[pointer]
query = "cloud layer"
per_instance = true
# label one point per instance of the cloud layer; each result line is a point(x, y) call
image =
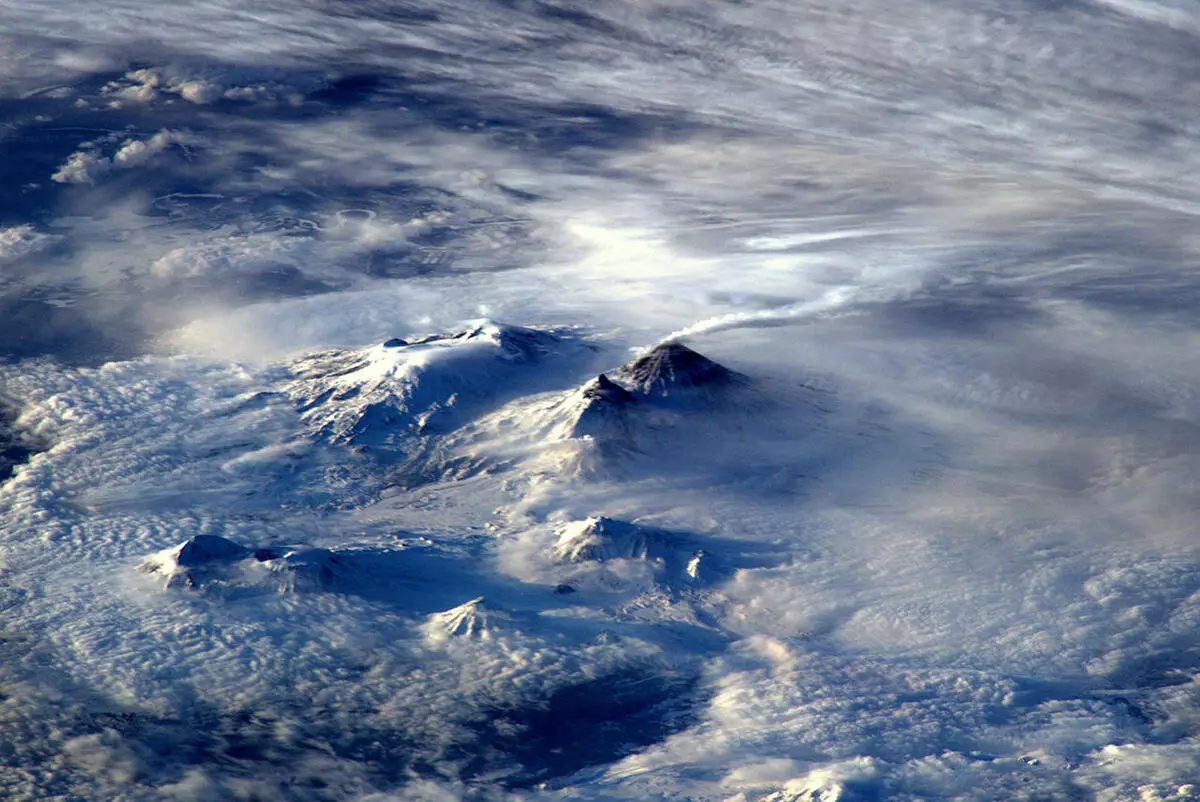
point(939, 542)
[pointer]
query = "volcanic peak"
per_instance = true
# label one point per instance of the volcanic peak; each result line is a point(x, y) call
point(671, 367)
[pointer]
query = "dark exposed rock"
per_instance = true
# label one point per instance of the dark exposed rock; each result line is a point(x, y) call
point(670, 368)
point(604, 389)
point(206, 549)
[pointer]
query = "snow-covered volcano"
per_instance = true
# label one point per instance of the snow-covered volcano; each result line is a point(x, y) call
point(215, 564)
point(672, 370)
point(379, 396)
point(472, 619)
point(666, 407)
point(601, 539)
point(604, 539)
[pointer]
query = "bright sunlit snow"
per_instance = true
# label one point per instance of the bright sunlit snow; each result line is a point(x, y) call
point(745, 401)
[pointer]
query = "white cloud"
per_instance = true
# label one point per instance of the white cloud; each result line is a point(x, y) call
point(17, 242)
point(82, 168)
point(204, 86)
point(87, 167)
point(230, 258)
point(134, 153)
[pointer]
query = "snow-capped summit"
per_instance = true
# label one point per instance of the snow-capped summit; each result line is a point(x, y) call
point(600, 539)
point(651, 410)
point(671, 368)
point(303, 569)
point(672, 556)
point(597, 410)
point(604, 389)
point(195, 560)
point(632, 411)
point(473, 619)
point(379, 395)
point(210, 561)
point(583, 432)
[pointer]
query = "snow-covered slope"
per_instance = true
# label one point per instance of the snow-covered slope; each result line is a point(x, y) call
point(607, 539)
point(472, 619)
point(667, 411)
point(214, 564)
point(674, 559)
point(380, 396)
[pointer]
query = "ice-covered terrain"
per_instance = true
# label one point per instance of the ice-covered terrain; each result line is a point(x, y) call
point(747, 401)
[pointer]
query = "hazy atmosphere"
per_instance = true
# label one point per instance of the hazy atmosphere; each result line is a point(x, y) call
point(753, 401)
